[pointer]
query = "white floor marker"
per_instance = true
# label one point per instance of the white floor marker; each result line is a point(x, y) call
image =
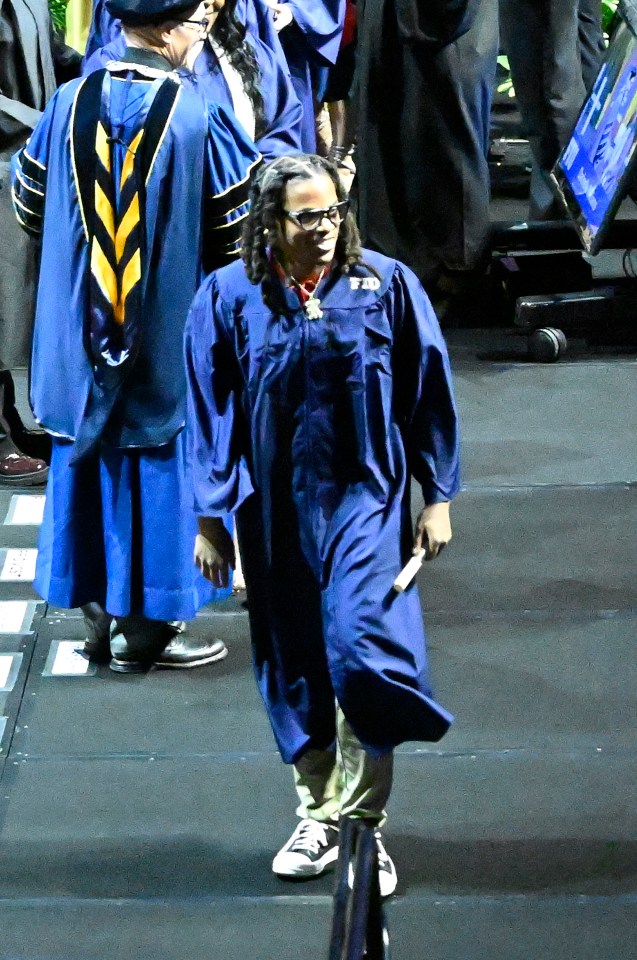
point(6, 662)
point(9, 670)
point(16, 616)
point(65, 661)
point(25, 510)
point(19, 564)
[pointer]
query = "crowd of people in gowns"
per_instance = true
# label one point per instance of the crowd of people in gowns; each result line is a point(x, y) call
point(211, 345)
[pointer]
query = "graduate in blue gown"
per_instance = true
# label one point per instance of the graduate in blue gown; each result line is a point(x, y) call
point(319, 385)
point(240, 72)
point(310, 32)
point(115, 179)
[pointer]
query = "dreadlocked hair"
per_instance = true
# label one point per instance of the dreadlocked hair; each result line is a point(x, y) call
point(266, 210)
point(230, 34)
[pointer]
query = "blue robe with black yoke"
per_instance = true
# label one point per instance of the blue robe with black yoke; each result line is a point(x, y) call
point(312, 430)
point(117, 179)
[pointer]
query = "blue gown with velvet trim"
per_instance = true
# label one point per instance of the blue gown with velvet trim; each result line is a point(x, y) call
point(118, 525)
point(311, 430)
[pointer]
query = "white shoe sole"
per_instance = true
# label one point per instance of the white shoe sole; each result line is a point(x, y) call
point(213, 658)
point(291, 865)
point(387, 882)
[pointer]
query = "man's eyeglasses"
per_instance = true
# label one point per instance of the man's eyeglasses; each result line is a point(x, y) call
point(312, 219)
point(202, 24)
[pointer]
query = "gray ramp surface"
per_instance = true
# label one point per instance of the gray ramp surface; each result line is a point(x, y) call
point(139, 814)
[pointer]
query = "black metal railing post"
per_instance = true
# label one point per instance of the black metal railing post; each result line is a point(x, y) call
point(359, 929)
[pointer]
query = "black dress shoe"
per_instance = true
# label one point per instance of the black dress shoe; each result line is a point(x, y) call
point(139, 645)
point(16, 469)
point(97, 623)
point(184, 652)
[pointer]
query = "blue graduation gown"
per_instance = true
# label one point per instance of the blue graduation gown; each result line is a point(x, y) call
point(298, 425)
point(129, 432)
point(282, 110)
point(310, 44)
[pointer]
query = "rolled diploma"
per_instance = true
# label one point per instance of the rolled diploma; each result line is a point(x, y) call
point(408, 572)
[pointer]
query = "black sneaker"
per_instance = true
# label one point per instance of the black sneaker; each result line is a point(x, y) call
point(387, 878)
point(311, 849)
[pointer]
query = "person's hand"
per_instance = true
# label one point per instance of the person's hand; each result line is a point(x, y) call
point(214, 551)
point(283, 15)
point(433, 530)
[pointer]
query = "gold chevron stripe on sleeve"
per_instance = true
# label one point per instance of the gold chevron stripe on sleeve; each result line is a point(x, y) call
point(128, 222)
point(103, 272)
point(231, 223)
point(132, 275)
point(20, 175)
point(19, 203)
point(129, 160)
point(239, 183)
point(32, 159)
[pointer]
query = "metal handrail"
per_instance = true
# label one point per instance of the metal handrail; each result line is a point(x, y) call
point(359, 928)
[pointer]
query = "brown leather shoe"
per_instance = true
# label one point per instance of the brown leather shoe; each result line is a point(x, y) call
point(21, 471)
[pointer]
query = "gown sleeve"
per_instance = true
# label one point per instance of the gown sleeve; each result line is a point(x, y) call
point(423, 389)
point(28, 174)
point(258, 19)
point(282, 107)
point(321, 24)
point(217, 433)
point(232, 159)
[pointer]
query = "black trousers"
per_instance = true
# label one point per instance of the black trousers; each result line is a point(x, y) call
point(7, 403)
point(14, 436)
point(423, 131)
point(552, 45)
point(591, 39)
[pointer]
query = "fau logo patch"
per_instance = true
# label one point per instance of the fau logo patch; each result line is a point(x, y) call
point(364, 283)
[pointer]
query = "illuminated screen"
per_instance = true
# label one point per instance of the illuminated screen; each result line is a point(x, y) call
point(594, 168)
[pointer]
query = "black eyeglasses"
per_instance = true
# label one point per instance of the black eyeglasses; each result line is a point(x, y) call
point(311, 219)
point(202, 24)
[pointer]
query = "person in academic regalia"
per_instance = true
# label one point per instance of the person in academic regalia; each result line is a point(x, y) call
point(310, 32)
point(238, 71)
point(426, 73)
point(33, 61)
point(296, 424)
point(113, 157)
point(255, 15)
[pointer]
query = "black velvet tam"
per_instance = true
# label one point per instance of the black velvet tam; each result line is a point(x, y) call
point(139, 12)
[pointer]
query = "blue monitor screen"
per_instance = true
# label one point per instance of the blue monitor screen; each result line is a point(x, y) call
point(593, 170)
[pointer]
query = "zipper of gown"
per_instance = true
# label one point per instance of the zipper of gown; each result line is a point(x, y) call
point(306, 361)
